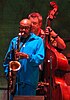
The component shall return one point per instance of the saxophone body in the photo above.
(14, 66)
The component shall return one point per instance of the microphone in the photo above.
(20, 34)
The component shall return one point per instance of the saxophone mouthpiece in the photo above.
(19, 34)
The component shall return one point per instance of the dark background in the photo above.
(12, 11)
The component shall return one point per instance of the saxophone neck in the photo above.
(18, 43)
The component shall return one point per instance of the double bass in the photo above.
(55, 64)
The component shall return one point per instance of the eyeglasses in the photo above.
(24, 27)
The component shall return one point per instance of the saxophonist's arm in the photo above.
(20, 55)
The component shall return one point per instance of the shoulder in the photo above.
(36, 37)
(14, 39)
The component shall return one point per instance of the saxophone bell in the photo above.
(14, 65)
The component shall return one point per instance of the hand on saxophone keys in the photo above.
(20, 55)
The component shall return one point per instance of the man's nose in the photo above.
(23, 29)
(32, 24)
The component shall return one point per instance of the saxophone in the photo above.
(14, 66)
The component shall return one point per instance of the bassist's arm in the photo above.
(56, 40)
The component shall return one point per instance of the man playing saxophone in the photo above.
(30, 56)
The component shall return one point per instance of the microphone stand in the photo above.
(51, 81)
(8, 85)
(8, 78)
(50, 61)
